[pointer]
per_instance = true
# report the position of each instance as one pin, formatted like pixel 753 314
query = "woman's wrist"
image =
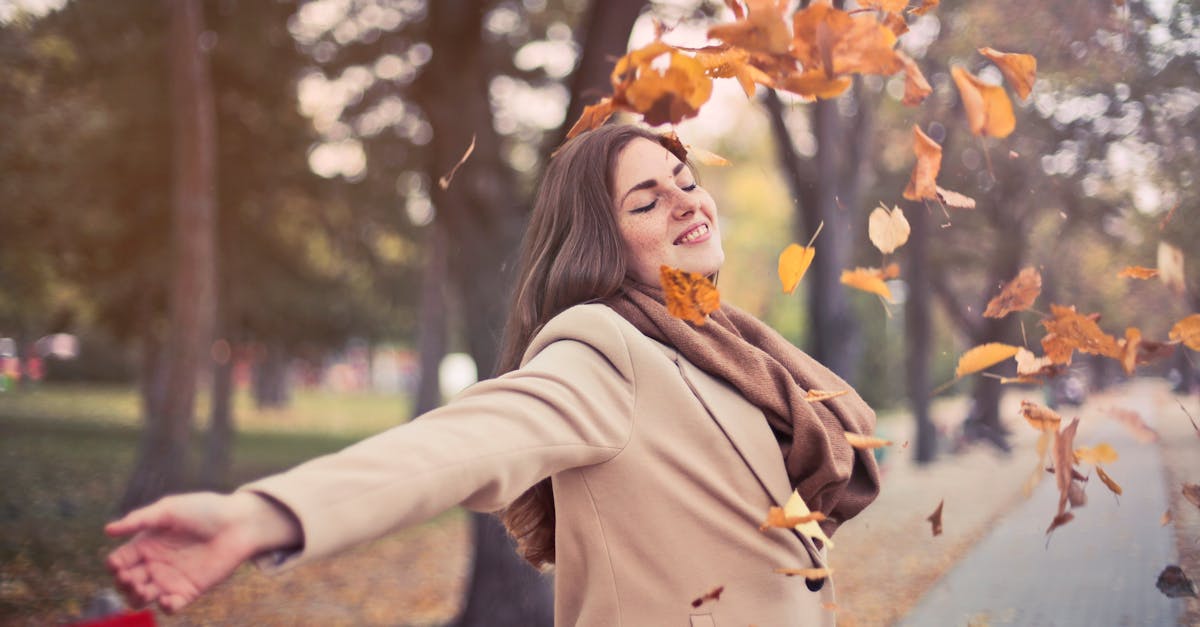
pixel 269 525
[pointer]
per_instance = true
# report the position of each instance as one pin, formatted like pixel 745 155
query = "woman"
pixel 636 452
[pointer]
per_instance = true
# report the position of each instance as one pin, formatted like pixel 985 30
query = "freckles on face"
pixel 664 217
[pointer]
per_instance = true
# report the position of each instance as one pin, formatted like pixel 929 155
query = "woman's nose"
pixel 685 205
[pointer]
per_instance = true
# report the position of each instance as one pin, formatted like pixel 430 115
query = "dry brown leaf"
pixel 1064 458
pixel 1070 330
pixel 1018 295
pixel 777 519
pixel 711 595
pixel 1191 492
pixel 816 30
pixel 1040 418
pixel 762 29
pixel 1132 420
pixel 935 519
pixel 444 182
pixel 690 296
pixel 983 357
pixel 807 573
pixel 1075 494
pixel 1137 272
pixel 593 117
pixel 989 111
pixel 867 48
pixel 1170 268
pixel 916 88
pixel 1020 70
pixel 729 62
pixel 1060 520
pixel 926 6
pixel 1187 331
pixel 1100 454
pixel 1174 583
pixel 898 25
pixel 793 263
pixel 922 184
pixel 865 442
pixel 1108 481
pixel 868 280
pixel 816 396
pixel 888 229
pixel 955 199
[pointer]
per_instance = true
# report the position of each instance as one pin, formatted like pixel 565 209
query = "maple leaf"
pixel 593 117
pixel 762 29
pixel 1069 331
pixel 935 519
pixel 444 182
pixel 888 230
pixel 989 111
pixel 926 6
pixel 868 280
pixel 816 396
pixel 1187 331
pixel 1020 70
pixel 777 519
pixel 662 95
pixel 1017 295
pixel 793 263
pixel 690 296
pixel 1174 583
pixel 922 184
pixel 711 595
pixel 1108 481
pixel 1040 418
pixel 1170 268
pixel 983 356
pixel 807 573
pixel 865 442
pixel 1099 454
pixel 1137 272
pixel 916 88
pixel 795 507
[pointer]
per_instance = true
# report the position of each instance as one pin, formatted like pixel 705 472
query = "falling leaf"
pixel 1070 330
pixel 705 157
pixel 711 595
pixel 1100 454
pixel 1187 331
pixel 1191 492
pixel 816 396
pixel 1020 70
pixel 916 88
pixel 866 442
pixel 1132 420
pixel 661 94
pixel 1129 349
pixel 1075 494
pixel 898 25
pixel 1017 295
pixel 795 507
pixel 1108 481
pixel 926 6
pixel 1174 583
pixel 1030 366
pixel 807 573
pixel 728 62
pixel 763 29
pixel 955 199
pixel 793 263
pixel 777 519
pixel 922 184
pixel 989 111
pixel 888 230
pixel 1170 268
pixel 868 280
pixel 1137 272
pixel 593 117
pixel 935 519
pixel 690 296
pixel 444 182
pixel 1064 458
pixel 890 6
pixel 815 84
pixel 982 357
pixel 1060 520
pixel 1040 418
pixel 1166 519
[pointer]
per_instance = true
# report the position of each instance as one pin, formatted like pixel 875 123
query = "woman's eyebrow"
pixel 648 183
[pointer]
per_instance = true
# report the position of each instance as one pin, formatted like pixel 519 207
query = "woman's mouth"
pixel 694 234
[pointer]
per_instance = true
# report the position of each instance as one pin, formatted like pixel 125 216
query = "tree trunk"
pixel 919 333
pixel 218 445
pixel 161 464
pixel 271 387
pixel 431 338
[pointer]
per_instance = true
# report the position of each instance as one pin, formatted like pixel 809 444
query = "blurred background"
pixel 224 249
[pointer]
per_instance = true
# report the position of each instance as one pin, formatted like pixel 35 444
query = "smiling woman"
pixel 633 452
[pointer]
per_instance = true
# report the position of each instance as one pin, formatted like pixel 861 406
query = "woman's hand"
pixel 184 545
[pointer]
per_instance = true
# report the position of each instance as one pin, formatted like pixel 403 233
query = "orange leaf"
pixel 989 111
pixel 1137 272
pixel 1071 331
pixel 705 157
pixel 1187 331
pixel 868 280
pixel 888 230
pixel 814 84
pixel 898 25
pixel 444 182
pixel 935 518
pixel 868 47
pixel 1020 70
pixel 1129 349
pixel 690 296
pixel 926 6
pixel 711 595
pixel 593 117
pixel 1100 454
pixel 891 6
pixel 1108 481
pixel 661 94
pixel 807 573
pixel 815 31
pixel 865 442
pixel 793 263
pixel 922 183
pixel 733 63
pixel 1170 268
pixel 1017 295
pixel 816 396
pixel 763 29
pixel 1165 519
pixel 777 519
pixel 983 357
pixel 1040 418
pixel 916 88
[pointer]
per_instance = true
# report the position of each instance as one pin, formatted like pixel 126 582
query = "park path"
pixel 1099 569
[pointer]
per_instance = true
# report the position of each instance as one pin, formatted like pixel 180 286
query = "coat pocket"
pixel 703 620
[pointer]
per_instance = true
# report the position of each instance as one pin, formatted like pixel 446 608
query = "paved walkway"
pixel 1098 570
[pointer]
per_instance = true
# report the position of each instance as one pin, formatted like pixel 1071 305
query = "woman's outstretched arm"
pixel 183 545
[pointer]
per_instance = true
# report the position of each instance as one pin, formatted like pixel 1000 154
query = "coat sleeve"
pixel 569 405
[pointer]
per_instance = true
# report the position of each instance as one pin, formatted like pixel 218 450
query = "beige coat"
pixel 662 475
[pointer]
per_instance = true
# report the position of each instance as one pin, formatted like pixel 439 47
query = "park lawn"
pixel 66 452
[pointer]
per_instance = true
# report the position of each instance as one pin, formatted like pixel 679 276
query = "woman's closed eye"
pixel 644 208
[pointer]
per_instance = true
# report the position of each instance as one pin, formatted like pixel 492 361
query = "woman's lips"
pixel 698 233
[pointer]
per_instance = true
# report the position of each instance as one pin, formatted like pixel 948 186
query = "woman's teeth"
pixel 693 234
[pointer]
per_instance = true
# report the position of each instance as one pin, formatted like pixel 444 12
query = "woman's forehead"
pixel 641 159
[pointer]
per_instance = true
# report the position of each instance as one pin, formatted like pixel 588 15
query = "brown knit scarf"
pixel 774 375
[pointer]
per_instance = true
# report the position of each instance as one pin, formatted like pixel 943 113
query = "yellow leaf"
pixel 1187 331
pixel 777 519
pixel 1108 481
pixel 1100 454
pixel 690 296
pixel 984 356
pixel 888 230
pixel 816 396
pixel 867 280
pixel 1020 70
pixel 865 442
pixel 1069 330
pixel 1170 268
pixel 1137 272
pixel 797 508
pixel 593 117
pixel 793 263
pixel 989 111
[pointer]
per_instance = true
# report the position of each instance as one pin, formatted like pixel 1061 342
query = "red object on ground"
pixel 141 618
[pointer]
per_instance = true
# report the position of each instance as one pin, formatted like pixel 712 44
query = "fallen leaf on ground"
pixel 1137 272
pixel 888 229
pixel 989 111
pixel 1174 583
pixel 690 296
pixel 864 442
pixel 816 396
pixel 935 519
pixel 868 280
pixel 1100 454
pixel 1187 331
pixel 711 595
pixel 793 263
pixel 1170 268
pixel 1108 481
pixel 777 519
pixel 1020 70
pixel 983 356
pixel 444 182
pixel 1017 295
pixel 807 573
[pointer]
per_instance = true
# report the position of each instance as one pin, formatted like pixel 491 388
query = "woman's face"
pixel 665 218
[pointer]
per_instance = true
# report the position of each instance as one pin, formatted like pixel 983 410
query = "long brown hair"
pixel 572 253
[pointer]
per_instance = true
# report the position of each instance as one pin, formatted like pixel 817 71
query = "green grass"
pixel 66 453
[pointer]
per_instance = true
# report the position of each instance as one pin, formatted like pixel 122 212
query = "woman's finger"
pixel 123 557
pixel 171 603
pixel 135 521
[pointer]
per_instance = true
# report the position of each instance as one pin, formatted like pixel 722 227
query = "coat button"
pixel 815 584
